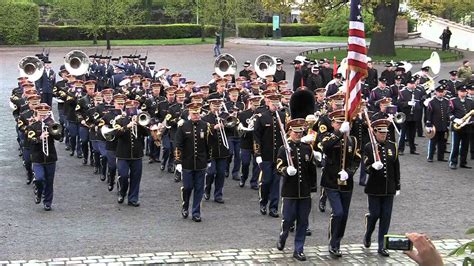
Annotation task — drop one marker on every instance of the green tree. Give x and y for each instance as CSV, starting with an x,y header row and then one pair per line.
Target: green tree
x,y
227,13
174,8
99,15
279,7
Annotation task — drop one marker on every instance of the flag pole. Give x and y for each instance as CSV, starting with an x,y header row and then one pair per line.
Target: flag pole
x,y
346,115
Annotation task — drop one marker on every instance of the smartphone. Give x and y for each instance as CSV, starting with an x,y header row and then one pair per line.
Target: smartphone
x,y
397,242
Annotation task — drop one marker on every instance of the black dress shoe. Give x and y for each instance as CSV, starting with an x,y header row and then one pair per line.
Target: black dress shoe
x,y
400,152
235,178
177,178
120,199
96,171
37,197
102,178
322,206
80,156
241,184
263,210
254,188
226,174
84,161
465,166
134,203
71,153
280,244
453,166
221,201
335,252
429,160
308,232
383,252
47,208
292,228
110,187
367,242
273,214
197,219
162,168
442,160
207,196
170,170
299,256
67,148
415,153
150,161
184,213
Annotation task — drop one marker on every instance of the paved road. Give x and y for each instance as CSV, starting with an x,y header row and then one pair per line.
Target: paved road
x,y
86,220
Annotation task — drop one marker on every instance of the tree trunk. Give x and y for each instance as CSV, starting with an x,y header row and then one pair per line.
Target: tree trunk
x,y
107,36
222,32
203,32
94,39
383,42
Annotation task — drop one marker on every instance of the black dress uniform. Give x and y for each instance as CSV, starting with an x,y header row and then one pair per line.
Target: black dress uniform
x,y
413,115
339,195
129,155
218,155
83,105
44,166
175,111
23,122
381,187
193,154
378,94
438,114
267,142
247,153
460,138
296,191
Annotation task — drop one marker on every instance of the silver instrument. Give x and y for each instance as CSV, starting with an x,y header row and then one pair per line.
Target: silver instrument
x,y
225,64
222,131
31,67
265,65
53,128
76,62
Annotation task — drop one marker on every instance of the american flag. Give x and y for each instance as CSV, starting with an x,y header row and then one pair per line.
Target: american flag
x,y
356,58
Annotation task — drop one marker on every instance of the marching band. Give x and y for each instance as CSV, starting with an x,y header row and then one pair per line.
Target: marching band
x,y
115,111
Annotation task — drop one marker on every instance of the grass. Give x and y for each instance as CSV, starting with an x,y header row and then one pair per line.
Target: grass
x,y
335,39
146,42
402,54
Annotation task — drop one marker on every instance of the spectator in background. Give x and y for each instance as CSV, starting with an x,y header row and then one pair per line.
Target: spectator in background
x,y
445,37
217,45
465,72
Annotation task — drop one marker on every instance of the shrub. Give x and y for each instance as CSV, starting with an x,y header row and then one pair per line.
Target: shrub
x,y
337,23
263,30
18,23
170,31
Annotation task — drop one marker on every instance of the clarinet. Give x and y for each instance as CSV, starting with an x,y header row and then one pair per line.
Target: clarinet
x,y
412,100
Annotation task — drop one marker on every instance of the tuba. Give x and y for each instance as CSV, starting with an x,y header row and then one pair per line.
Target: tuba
x,y
31,67
76,62
225,64
265,65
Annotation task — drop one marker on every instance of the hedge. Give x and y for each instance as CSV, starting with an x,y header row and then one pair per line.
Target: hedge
x,y
170,31
18,23
263,30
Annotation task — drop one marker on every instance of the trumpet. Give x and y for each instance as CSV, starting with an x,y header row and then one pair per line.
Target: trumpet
x,y
466,119
53,128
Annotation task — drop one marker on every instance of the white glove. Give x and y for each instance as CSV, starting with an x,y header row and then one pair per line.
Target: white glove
x,y
429,129
345,127
209,165
259,160
397,193
317,155
179,168
426,102
411,103
343,175
308,138
377,165
291,171
180,122
457,121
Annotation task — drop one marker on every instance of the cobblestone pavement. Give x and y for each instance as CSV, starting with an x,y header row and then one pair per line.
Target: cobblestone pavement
x,y
354,254
86,218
